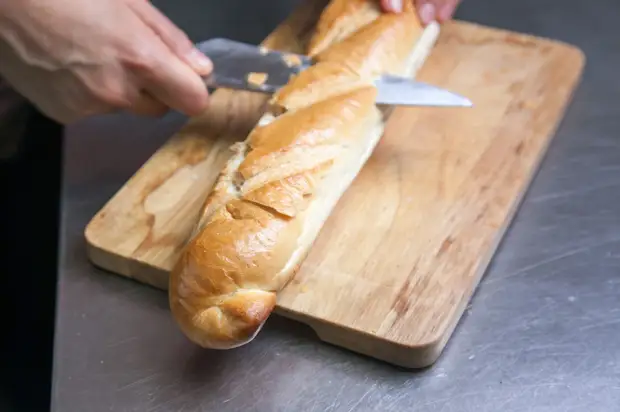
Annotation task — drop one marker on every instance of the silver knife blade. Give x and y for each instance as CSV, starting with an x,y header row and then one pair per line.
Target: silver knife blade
x,y
243,66
399,91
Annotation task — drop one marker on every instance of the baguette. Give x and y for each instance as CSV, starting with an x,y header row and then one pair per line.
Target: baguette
x,y
274,194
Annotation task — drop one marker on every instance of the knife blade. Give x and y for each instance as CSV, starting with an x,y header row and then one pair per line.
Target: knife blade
x,y
243,66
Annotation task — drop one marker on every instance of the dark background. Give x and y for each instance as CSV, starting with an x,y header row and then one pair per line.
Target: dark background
x,y
29,220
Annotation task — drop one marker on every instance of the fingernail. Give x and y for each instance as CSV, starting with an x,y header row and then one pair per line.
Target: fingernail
x,y
200,62
427,13
396,5
446,12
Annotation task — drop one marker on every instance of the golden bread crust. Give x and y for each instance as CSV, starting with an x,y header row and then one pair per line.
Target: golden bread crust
x,y
339,20
281,183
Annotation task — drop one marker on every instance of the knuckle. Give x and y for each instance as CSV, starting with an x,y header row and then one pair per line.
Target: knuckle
x,y
141,59
112,91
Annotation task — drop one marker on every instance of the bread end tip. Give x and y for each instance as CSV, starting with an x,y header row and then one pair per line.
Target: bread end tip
x,y
235,321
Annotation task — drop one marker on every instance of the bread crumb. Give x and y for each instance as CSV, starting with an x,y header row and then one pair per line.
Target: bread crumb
x,y
257,79
291,60
304,288
263,50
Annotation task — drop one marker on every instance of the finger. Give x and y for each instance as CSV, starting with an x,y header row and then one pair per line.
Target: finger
x,y
146,105
427,11
173,37
394,6
174,83
447,9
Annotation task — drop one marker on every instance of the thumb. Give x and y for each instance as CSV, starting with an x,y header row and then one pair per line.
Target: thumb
x,y
173,37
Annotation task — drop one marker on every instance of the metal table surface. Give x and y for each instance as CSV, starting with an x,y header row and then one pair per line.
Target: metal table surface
x,y
541,333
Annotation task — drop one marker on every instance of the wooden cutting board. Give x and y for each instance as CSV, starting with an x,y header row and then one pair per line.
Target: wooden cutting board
x,y
394,267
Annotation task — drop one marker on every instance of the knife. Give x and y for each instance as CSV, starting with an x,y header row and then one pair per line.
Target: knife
x,y
242,66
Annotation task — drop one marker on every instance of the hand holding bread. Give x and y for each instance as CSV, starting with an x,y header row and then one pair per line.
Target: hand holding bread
x,y
428,10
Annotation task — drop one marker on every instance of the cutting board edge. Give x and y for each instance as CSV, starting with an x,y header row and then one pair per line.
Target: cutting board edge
x,y
117,264
406,355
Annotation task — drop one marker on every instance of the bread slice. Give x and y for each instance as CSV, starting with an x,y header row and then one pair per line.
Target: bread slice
x,y
281,184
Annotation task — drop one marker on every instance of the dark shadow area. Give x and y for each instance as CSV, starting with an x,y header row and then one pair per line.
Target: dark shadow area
x,y
30,179
241,20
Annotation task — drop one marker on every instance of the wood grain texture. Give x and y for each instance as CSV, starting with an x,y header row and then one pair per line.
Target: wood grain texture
x,y
399,258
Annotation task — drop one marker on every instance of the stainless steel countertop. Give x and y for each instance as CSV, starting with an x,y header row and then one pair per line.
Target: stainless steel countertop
x,y
541,333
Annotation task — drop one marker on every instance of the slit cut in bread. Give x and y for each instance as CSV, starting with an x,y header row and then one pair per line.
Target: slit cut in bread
x,y
281,184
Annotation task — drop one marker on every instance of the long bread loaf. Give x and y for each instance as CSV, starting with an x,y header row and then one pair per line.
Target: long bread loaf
x,y
281,184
